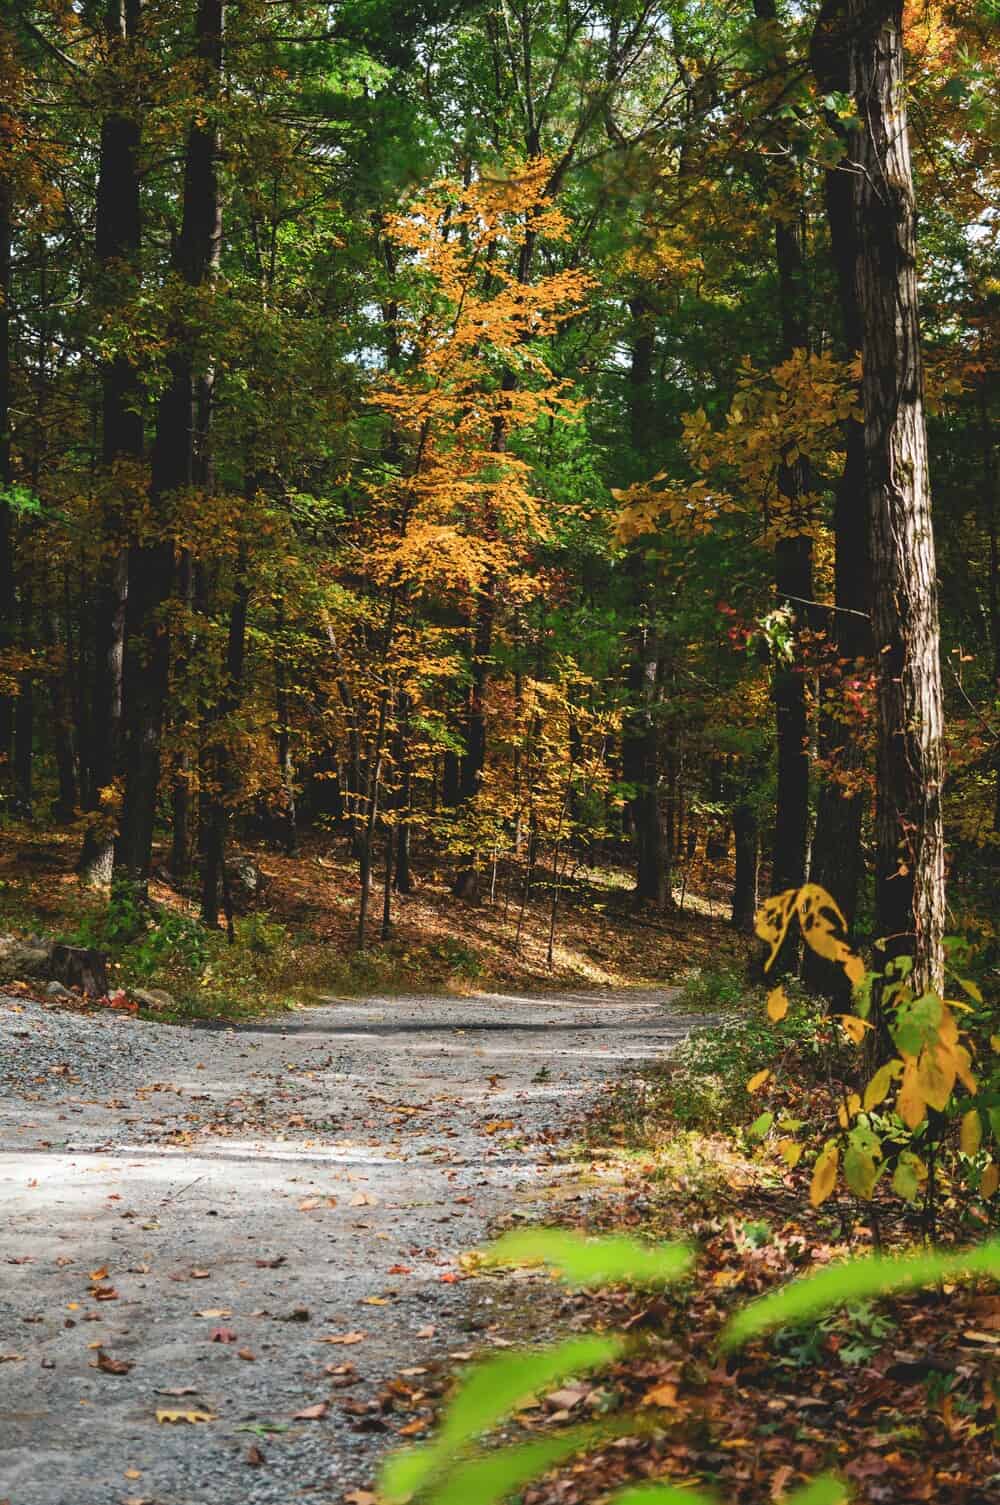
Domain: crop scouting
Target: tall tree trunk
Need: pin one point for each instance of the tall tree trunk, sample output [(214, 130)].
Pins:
[(746, 835), (640, 733), (151, 563), (63, 729), (640, 769), (991, 484), (792, 554), (6, 460), (287, 829), (838, 862), (118, 234), (24, 711), (909, 878), (220, 759)]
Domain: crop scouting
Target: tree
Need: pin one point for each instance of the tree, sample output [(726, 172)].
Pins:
[(174, 458), (117, 250), (867, 35)]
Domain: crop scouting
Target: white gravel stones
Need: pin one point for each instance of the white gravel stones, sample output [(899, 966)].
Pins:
[(338, 1163)]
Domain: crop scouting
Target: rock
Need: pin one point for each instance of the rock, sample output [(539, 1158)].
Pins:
[(56, 990), (246, 881), (81, 967), (153, 998), (25, 957)]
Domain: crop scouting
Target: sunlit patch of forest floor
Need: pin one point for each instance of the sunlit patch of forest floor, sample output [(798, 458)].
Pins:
[(296, 928)]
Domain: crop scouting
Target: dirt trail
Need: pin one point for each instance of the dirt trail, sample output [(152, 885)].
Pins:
[(208, 1206)]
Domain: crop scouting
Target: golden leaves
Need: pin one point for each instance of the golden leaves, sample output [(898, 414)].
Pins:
[(824, 1177), (777, 1004), (853, 1027), (971, 1132)]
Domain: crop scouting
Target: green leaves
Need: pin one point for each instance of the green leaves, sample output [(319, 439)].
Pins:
[(21, 499), (917, 1023), (662, 1494), (490, 1393), (827, 1490), (581, 1261), (491, 1477), (857, 1280)]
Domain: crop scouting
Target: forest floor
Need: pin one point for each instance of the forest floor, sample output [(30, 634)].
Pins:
[(295, 934), (220, 1247)]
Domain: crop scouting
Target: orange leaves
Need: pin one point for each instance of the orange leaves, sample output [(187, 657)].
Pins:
[(463, 509)]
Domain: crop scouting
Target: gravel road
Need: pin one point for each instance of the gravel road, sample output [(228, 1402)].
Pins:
[(191, 1219)]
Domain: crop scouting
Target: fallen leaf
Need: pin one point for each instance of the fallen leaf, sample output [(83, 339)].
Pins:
[(412, 1428), (222, 1335), (565, 1400), (190, 1416), (664, 1395), (364, 1199), (101, 1274), (178, 1391), (312, 1413), (246, 1353), (426, 1332), (200, 1274), (497, 1125), (254, 1456), (12, 1358), (343, 1338), (374, 1301), (105, 1362), (360, 1497), (216, 1311), (132, 1473)]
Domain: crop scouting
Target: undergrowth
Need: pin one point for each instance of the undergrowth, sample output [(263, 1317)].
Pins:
[(703, 1086)]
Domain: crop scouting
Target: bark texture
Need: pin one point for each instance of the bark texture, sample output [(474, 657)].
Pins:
[(793, 576), (838, 862), (910, 842)]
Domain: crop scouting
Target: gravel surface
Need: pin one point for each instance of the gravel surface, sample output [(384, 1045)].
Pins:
[(211, 1208)]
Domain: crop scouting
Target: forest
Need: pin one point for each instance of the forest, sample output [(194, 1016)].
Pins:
[(446, 428), (506, 494)]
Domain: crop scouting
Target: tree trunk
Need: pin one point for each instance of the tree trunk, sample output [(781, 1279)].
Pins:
[(838, 863), (640, 768), (63, 730), (746, 832), (118, 233), (991, 483), (219, 759), (24, 713), (793, 553), (151, 563), (6, 466), (909, 878)]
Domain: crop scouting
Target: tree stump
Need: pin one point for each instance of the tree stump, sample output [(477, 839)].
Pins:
[(80, 967)]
